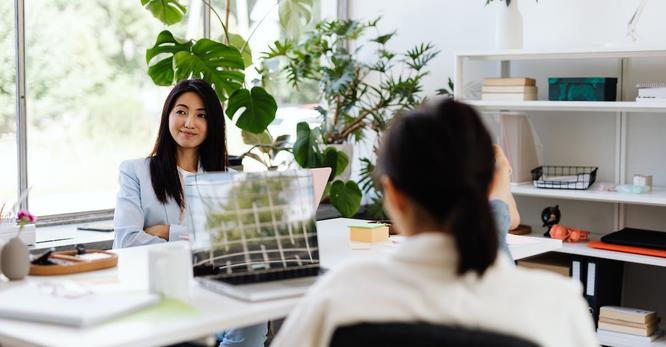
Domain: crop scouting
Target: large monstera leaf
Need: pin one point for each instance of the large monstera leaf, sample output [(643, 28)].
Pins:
[(221, 65), (167, 11), (306, 150), (258, 106), (162, 72), (292, 12)]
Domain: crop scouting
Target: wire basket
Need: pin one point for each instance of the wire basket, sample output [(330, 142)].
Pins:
[(564, 177)]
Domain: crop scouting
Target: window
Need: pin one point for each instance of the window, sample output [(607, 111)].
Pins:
[(90, 102), (8, 162)]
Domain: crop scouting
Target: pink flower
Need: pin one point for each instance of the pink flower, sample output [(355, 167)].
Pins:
[(24, 217)]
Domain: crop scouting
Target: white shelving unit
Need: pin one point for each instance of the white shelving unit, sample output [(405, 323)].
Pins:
[(655, 198), (660, 342), (620, 109)]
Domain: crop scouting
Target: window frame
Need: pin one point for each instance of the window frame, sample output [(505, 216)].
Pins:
[(342, 9)]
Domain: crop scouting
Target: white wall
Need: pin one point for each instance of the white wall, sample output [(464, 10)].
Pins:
[(568, 138)]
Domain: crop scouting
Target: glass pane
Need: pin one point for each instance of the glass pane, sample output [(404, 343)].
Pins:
[(259, 18), (8, 161), (91, 103)]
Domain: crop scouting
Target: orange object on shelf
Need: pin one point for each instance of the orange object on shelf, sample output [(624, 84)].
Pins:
[(627, 249)]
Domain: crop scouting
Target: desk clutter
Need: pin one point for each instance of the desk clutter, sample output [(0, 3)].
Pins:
[(636, 241), (631, 325), (52, 263)]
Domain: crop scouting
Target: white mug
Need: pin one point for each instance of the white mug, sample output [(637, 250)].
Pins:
[(170, 270)]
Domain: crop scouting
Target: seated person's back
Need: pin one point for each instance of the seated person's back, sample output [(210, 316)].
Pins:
[(437, 166)]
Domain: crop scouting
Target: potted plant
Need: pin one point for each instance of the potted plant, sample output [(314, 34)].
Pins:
[(356, 96), (222, 64)]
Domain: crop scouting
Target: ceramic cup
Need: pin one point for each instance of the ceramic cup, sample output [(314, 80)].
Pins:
[(170, 270)]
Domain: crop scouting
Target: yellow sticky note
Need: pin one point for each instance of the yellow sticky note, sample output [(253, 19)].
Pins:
[(369, 232)]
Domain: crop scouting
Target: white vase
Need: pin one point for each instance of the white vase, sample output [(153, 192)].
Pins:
[(508, 26), (15, 259)]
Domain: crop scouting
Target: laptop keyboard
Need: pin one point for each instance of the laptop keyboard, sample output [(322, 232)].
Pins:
[(249, 278)]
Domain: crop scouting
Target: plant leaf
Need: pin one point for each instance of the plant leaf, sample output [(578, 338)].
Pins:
[(217, 63), (383, 38), (264, 139), (244, 49), (162, 72), (330, 159), (259, 112), (292, 13), (346, 197), (167, 11), (306, 151), (342, 162)]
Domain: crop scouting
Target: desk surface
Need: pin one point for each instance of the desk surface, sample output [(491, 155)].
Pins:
[(205, 312)]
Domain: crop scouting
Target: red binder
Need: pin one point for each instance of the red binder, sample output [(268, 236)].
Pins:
[(627, 249)]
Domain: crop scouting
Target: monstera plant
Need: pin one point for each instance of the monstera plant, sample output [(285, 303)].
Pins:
[(222, 64)]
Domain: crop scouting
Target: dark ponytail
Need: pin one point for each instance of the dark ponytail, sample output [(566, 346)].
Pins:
[(442, 158)]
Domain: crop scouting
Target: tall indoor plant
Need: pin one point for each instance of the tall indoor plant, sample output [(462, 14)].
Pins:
[(222, 64), (357, 96)]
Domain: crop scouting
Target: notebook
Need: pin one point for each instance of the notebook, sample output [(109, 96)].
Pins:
[(637, 238), (68, 303)]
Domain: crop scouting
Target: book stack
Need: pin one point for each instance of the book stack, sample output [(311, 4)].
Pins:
[(630, 325), (651, 92), (516, 88)]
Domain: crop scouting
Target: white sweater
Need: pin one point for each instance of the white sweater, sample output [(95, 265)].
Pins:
[(418, 283)]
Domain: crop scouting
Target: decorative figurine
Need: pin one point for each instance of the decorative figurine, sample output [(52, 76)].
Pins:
[(550, 216)]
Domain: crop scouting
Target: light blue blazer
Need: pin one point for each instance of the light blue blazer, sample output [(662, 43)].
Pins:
[(137, 207)]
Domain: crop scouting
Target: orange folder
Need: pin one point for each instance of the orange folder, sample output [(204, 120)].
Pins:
[(627, 249)]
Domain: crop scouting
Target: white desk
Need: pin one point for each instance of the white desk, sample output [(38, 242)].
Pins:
[(207, 312)]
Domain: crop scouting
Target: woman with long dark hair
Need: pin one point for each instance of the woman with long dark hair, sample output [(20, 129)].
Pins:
[(438, 168), (150, 205)]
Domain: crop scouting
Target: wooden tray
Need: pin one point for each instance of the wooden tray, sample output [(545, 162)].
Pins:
[(70, 263)]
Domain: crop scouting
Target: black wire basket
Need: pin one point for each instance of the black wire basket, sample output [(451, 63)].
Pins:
[(564, 177)]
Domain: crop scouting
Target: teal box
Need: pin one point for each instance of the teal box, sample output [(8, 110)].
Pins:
[(582, 89)]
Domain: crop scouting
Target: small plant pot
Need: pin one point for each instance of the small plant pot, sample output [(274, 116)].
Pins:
[(15, 262)]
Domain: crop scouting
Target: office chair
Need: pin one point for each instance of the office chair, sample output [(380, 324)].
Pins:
[(420, 334)]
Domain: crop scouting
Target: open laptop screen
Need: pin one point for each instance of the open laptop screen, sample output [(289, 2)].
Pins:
[(252, 223)]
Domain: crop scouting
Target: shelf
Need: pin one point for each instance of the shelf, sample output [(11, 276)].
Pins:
[(660, 342), (600, 53), (580, 106), (655, 198), (582, 249)]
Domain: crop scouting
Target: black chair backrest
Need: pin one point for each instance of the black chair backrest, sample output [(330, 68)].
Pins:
[(420, 334)]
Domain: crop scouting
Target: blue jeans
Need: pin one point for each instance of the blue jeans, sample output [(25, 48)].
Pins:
[(250, 336)]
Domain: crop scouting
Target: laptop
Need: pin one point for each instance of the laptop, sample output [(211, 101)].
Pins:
[(253, 235)]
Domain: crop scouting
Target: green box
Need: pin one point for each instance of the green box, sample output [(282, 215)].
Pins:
[(582, 89)]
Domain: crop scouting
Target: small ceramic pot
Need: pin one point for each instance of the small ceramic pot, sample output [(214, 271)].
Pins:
[(15, 259)]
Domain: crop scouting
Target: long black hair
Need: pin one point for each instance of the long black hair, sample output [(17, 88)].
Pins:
[(441, 157), (212, 151)]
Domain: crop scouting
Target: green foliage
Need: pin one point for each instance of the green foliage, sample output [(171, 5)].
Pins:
[(242, 46), (352, 102), (346, 197), (167, 11), (448, 90), (306, 149), (264, 148), (259, 109), (294, 14)]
